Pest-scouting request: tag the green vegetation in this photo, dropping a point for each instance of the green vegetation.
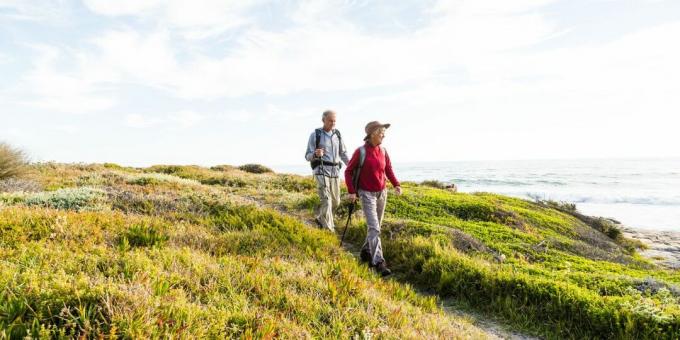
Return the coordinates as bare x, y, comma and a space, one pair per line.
187, 251
538, 267
255, 168
110, 252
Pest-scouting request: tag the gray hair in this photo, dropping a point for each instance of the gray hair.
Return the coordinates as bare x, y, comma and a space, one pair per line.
326, 114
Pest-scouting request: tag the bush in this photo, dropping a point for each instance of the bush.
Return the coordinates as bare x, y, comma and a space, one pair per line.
83, 198
222, 167
255, 168
142, 236
434, 184
157, 178
12, 161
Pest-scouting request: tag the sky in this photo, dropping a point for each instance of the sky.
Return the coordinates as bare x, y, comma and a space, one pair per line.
142, 82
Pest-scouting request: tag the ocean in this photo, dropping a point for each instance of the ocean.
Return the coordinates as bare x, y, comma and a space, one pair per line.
640, 193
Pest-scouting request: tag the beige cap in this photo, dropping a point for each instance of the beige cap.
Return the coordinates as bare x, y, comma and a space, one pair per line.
372, 126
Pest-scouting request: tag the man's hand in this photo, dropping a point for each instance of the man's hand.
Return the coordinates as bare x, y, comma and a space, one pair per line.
398, 190
318, 152
352, 197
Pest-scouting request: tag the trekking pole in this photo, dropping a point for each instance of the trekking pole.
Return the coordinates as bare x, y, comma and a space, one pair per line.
349, 217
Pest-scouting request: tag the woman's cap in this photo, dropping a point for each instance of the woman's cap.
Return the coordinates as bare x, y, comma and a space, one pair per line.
373, 126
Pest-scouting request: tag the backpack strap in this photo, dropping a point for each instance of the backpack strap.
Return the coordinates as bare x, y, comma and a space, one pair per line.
337, 132
316, 161
362, 156
318, 137
357, 170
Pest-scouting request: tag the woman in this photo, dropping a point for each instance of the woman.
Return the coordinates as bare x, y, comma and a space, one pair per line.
372, 165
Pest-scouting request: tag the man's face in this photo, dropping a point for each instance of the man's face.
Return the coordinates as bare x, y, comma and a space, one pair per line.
329, 122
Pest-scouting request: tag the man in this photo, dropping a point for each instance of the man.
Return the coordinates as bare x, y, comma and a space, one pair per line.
325, 149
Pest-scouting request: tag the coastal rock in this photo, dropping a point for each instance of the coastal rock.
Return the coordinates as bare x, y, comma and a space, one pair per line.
451, 187
664, 246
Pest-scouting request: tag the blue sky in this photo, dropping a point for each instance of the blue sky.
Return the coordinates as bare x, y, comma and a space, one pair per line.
212, 82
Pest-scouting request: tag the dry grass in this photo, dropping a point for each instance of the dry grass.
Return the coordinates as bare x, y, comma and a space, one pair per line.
13, 161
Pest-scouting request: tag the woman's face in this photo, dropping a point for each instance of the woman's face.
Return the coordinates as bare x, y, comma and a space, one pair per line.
377, 137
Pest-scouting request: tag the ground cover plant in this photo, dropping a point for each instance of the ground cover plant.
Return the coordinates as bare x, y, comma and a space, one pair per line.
108, 252
537, 266
191, 251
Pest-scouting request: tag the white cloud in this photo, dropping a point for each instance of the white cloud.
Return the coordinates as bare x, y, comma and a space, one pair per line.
54, 89
141, 121
67, 128
475, 67
313, 55
180, 119
121, 7
50, 11
186, 118
195, 20
609, 100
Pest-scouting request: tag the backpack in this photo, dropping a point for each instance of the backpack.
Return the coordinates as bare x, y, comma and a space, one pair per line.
316, 162
362, 158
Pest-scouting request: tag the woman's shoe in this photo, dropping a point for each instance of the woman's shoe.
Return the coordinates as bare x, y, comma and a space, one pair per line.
382, 269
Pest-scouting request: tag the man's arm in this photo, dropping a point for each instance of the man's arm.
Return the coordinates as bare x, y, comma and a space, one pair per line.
311, 146
343, 152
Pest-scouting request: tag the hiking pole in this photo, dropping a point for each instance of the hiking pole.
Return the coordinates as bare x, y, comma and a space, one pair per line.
349, 217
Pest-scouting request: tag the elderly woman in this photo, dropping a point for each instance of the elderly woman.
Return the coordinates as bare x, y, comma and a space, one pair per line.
365, 175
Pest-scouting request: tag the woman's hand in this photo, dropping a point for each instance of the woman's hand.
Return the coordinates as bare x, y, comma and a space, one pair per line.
352, 197
398, 190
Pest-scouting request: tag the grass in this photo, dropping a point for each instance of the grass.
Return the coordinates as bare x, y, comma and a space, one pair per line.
186, 251
541, 269
104, 254
12, 161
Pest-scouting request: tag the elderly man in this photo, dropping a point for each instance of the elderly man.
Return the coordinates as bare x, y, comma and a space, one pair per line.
325, 149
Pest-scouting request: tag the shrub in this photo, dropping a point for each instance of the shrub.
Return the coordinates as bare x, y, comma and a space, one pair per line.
113, 166
255, 168
222, 167
156, 178
434, 184
83, 198
12, 161
142, 236
566, 207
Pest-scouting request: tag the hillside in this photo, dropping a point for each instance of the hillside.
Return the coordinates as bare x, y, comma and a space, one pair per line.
187, 251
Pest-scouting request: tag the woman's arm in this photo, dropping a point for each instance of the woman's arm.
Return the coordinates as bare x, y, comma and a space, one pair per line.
389, 172
349, 172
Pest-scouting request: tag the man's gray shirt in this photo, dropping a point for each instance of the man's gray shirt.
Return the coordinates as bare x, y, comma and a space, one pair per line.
333, 151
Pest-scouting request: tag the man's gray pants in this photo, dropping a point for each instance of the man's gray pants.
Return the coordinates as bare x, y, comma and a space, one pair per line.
329, 195
373, 204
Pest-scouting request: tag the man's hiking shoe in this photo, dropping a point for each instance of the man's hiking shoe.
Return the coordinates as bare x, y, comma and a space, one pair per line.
382, 269
365, 256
